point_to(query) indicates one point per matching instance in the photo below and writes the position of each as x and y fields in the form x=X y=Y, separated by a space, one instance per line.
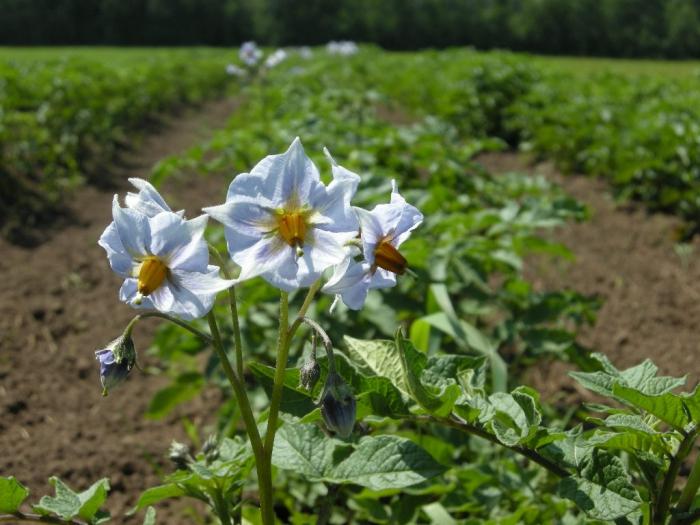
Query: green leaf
x=184 y=388
x=385 y=462
x=641 y=377
x=12 y=495
x=295 y=400
x=514 y=418
x=304 y=449
x=68 y=504
x=377 y=358
x=155 y=494
x=381 y=462
x=602 y=488
x=667 y=407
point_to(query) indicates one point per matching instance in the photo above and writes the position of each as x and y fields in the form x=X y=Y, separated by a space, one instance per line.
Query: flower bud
x=210 y=449
x=338 y=406
x=309 y=374
x=179 y=453
x=116 y=361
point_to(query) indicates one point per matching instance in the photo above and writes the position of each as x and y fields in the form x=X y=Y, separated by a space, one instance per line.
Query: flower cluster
x=343 y=47
x=252 y=57
x=284 y=224
x=281 y=223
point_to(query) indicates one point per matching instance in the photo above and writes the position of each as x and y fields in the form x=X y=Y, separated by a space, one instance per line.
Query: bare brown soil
x=58 y=304
x=629 y=258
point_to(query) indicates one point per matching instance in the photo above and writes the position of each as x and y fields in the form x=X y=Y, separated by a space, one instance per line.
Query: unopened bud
x=116 y=361
x=309 y=374
x=338 y=406
x=210 y=449
x=179 y=453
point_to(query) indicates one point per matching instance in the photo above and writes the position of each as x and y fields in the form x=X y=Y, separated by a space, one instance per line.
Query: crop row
x=63 y=118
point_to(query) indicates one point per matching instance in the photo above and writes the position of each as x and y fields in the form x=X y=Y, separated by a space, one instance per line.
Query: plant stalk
x=261 y=464
x=690 y=489
x=664 y=501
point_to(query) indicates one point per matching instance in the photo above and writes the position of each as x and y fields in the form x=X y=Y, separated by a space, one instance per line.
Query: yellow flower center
x=292 y=227
x=389 y=258
x=152 y=273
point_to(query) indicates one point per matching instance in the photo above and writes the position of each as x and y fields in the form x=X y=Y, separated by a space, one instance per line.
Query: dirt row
x=649 y=283
x=58 y=304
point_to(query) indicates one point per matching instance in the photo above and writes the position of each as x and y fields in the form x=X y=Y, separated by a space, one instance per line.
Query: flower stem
x=261 y=462
x=283 y=340
x=234 y=311
x=304 y=308
x=173 y=320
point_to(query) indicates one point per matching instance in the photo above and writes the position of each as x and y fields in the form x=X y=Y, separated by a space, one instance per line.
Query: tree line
x=628 y=28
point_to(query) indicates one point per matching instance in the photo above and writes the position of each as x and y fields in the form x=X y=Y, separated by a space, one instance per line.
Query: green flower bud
x=338 y=406
x=309 y=374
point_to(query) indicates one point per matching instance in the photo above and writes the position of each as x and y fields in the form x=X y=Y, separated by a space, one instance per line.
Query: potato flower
x=282 y=223
x=250 y=53
x=276 y=58
x=382 y=231
x=163 y=258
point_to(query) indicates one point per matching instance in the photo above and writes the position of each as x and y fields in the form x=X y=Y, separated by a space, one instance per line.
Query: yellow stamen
x=389 y=258
x=292 y=227
x=152 y=273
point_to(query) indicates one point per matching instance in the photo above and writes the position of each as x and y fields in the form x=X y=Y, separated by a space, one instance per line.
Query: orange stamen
x=389 y=258
x=292 y=228
x=152 y=273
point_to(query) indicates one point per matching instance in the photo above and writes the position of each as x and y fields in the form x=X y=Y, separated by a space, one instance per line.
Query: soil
x=58 y=304
x=650 y=285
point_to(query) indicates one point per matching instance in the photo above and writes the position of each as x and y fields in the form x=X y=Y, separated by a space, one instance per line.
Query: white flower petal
x=185 y=304
x=119 y=259
x=133 y=229
x=192 y=255
x=371 y=233
x=244 y=216
x=128 y=293
x=322 y=250
x=332 y=204
x=288 y=177
x=169 y=234
x=264 y=255
x=147 y=201
x=201 y=283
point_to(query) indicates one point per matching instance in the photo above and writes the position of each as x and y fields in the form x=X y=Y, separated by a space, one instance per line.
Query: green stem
x=283 y=340
x=174 y=320
x=261 y=463
x=468 y=428
x=690 y=489
x=221 y=509
x=304 y=307
x=36 y=518
x=664 y=501
x=234 y=311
